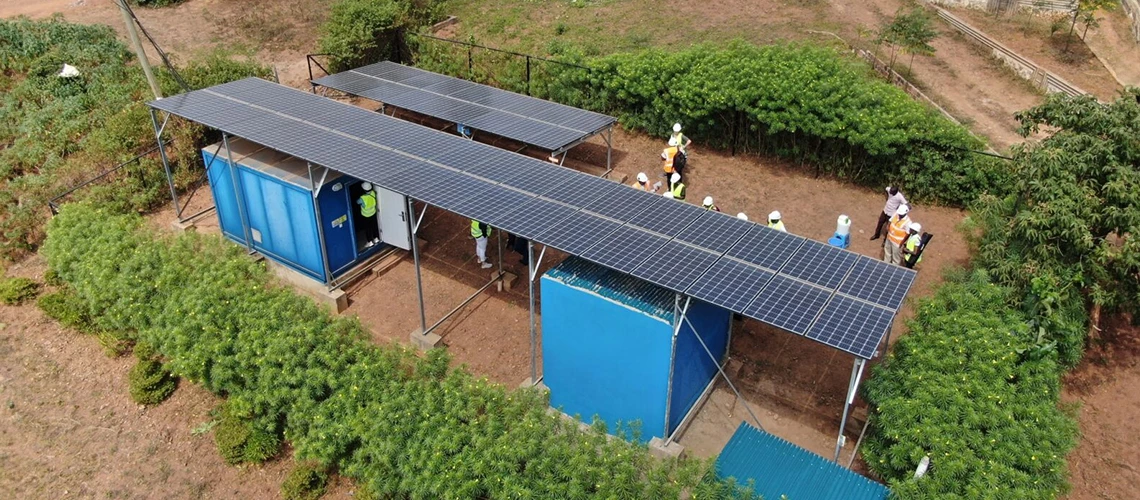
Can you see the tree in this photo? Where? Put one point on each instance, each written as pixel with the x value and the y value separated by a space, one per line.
pixel 1085 10
pixel 911 32
pixel 1068 234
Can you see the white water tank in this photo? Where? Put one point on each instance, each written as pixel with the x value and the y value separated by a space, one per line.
pixel 843 226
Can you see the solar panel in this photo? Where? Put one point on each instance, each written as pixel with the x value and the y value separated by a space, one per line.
pixel 778 278
pixel 788 304
pixel 766 247
pixel 676 265
pixel 730 284
pixel 716 231
pixel 820 263
pixel 541 123
pixel 878 282
pixel 625 249
pixel 578 232
pixel 667 216
pixel 851 325
pixel 622 204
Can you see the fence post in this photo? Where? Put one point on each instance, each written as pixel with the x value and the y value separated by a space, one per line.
pixel 470 63
pixel 528 75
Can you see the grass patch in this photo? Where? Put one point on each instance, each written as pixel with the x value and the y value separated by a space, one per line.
pixel 16 291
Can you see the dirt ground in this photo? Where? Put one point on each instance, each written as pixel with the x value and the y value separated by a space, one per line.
pixel 1104 464
pixel 1113 44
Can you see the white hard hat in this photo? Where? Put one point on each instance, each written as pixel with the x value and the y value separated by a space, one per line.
pixel 741 216
pixel 903 210
pixel 642 178
pixel 668 194
pixel 775 215
pixel 708 201
pixel 916 227
pixel 68 71
pixel 676 127
pixel 675 177
pixel 672 142
pixel 367 186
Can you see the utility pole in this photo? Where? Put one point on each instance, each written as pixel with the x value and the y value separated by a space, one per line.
pixel 134 36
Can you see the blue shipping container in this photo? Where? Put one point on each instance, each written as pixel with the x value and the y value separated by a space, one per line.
pixel 273 209
pixel 608 348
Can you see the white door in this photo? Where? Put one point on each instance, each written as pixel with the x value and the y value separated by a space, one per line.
pixel 394 224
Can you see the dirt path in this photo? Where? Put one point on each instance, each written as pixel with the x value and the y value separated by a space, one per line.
pixel 1106 461
pixel 70 430
pixel 1113 44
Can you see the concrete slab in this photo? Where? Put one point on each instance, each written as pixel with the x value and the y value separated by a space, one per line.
pixel 659 449
pixel 183 227
pixel 335 300
pixel 424 342
pixel 508 280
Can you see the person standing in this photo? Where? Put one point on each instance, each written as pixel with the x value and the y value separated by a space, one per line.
pixel 895 198
pixel 912 249
pixel 667 156
pixel 369 232
pixel 682 140
pixel 676 186
pixel 708 204
pixel 896 236
pixel 481 232
pixel 775 222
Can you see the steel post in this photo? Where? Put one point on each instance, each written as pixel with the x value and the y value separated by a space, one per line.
pixel 416 259
pixel 856 372
pixel 320 226
pixel 237 194
pixel 532 270
pixel 165 163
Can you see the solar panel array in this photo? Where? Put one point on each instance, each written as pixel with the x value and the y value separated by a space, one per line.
pixel 830 295
pixel 538 122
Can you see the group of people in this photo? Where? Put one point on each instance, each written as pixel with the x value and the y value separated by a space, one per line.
pixel 905 240
pixel 674 158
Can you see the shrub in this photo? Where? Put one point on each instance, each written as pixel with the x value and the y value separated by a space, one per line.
pixel 307 481
pixel 360 32
pixel 157 3
pixel 114 343
pixel 67 308
pixel 969 387
pixel 401 425
pixel 150 383
pixel 16 291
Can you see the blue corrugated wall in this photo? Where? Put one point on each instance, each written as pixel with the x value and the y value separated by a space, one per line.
pixel 605 350
pixel 694 368
pixel 222 188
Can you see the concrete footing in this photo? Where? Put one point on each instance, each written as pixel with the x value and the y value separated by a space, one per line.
pixel 183 227
pixel 659 449
pixel 424 342
pixel 335 300
pixel 528 383
pixel 507 281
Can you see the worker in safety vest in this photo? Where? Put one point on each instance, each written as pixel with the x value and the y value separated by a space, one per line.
pixel 370 229
pixel 643 183
pixel 481 232
pixel 708 204
pixel 896 236
pixel 669 155
pixel 775 222
pixel 912 248
pixel 682 140
pixel 676 186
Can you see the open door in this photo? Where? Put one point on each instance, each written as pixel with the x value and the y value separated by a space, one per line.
pixel 395 228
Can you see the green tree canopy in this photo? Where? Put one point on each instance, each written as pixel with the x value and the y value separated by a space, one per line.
pixel 1067 233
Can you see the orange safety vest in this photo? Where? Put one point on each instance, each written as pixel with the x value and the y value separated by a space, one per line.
pixel 897 232
pixel 669 153
pixel 640 186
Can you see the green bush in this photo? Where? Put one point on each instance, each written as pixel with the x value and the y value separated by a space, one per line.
pixel 969 387
pixel 150 383
pixel 16 291
pixel 360 32
pixel 240 440
pixel 804 103
pixel 67 308
pixel 59 132
pixel 157 3
pixel 307 481
pixel 115 343
pixel 401 425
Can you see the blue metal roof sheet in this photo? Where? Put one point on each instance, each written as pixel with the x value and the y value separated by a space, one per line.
pixel 618 287
pixel 779 468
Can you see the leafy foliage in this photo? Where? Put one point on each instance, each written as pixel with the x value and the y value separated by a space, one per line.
pixel 307 481
pixel 910 31
pixel 157 3
pixel 401 425
pixel 16 291
pixel 360 32
pixel 969 387
pixel 241 440
pixel 150 383
pixel 799 102
pixel 67 308
pixel 1065 236
pixel 56 132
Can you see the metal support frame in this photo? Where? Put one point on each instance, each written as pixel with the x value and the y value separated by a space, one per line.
pixel 678 315
pixel 856 374
pixel 158 129
pixel 719 368
pixel 608 138
pixel 314 189
pixel 237 193
pixel 414 227
pixel 532 273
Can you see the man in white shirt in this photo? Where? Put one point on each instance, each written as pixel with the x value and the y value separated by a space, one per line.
pixel 895 198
